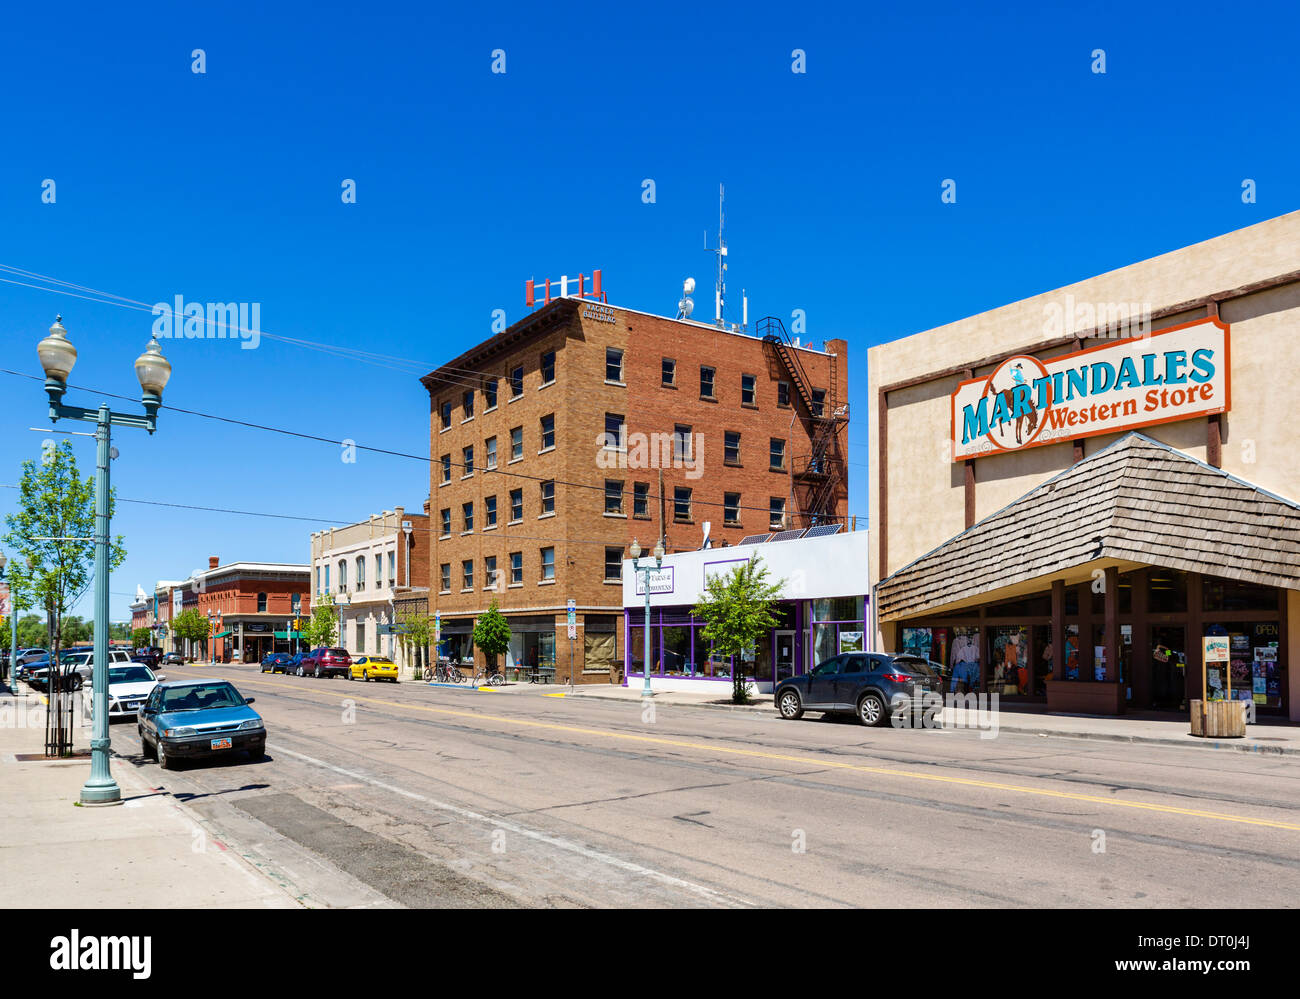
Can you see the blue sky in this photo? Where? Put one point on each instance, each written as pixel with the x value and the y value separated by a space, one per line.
pixel 225 186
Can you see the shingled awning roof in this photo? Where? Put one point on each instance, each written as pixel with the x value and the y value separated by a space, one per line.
pixel 1138 501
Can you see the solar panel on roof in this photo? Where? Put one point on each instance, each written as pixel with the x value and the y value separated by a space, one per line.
pixel 786 535
pixel 823 530
pixel 754 539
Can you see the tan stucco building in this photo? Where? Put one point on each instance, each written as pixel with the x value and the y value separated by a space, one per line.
pixel 1111 469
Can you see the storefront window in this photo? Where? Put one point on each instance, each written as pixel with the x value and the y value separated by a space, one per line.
pixel 1231 595
pixel 1167 591
pixel 1255 665
pixel 636 649
pixel 964 660
pixel 1009 660
pixel 676 659
pixel 837 626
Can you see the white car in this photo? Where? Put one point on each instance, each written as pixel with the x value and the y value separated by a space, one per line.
pixel 84 662
pixel 128 686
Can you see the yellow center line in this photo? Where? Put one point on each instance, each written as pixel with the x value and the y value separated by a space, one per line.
pixel 819 761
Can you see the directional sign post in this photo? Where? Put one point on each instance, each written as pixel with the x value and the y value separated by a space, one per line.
pixel 573 633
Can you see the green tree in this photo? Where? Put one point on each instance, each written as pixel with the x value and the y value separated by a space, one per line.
pixel 416 632
pixel 323 626
pixel 190 625
pixel 31 632
pixel 737 608
pixel 140 638
pixel 492 633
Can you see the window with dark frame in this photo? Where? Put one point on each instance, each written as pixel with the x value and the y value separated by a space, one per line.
pixel 747 383
pixel 776 454
pixel 516 443
pixel 682 440
pixel 613 564
pixel 490 394
pixel 467 515
pixel 467 571
pixel 614 430
pixel 548 563
pixel 818 402
pixel 776 513
pixel 613 365
pixel 548 496
pixel 548 367
pixel 446 469
pixel 613 495
pixel 490 446
pixel 681 503
pixel 445 570
pixel 516 505
pixel 669 375
pixel 641 499
pixel 516 382
pixel 489 571
pixel 706 382
pixel 489 511
pixel 516 567
pixel 548 431
pixel 446 520
pixel 783 394
pixel 731 508
pixel 445 414
pixel 467 454
pixel 467 403
pixel 731 447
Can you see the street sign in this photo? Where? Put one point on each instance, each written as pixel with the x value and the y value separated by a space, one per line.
pixel 573 620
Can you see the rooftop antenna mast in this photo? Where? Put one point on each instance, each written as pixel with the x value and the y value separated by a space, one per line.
pixel 720 290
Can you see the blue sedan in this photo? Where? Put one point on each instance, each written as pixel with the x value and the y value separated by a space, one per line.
pixel 197 718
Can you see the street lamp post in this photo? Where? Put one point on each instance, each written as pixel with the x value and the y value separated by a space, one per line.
pixel 13 632
pixel 58 355
pixel 635 552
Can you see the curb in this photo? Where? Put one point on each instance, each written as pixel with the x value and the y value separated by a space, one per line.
pixel 1189 741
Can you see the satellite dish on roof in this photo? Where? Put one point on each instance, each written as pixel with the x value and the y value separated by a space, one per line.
pixel 685 307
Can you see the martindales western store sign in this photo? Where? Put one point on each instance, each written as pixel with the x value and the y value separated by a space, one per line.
pixel 1176 374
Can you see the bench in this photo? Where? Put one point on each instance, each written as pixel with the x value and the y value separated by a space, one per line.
pixel 541 674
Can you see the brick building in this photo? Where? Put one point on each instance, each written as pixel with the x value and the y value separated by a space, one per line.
pixel 373 570
pixel 556 442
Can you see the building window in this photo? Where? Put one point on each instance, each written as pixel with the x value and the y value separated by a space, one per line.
pixel 516 443
pixel 318 579
pixel 327 579
pixel 468 455
pixel 516 505
pixel 548 367
pixel 641 499
pixel 446 521
pixel 261 603
pixel 516 382
pixel 548 497
pixel 681 442
pixel 548 431
pixel 490 394
pixel 613 496
pixel 776 513
pixel 681 503
pixel 490 446
pixel 747 389
pixel 613 564
pixel 467 516
pixel 731 509
pixel 783 394
pixel 392 569
pixel 818 402
pixel 669 371
pixel 467 403
pixel 613 365
pixel 446 469
pixel 706 382
pixel 360 645
pixel 343 577
pixel 731 447
pixel 379 571
pixel 516 567
pixel 777 455
pixel 445 570
pixel 445 414
pixel 467 574
pixel 548 563
pixel 489 572
pixel 361 572
pixel 614 430
pixel 490 511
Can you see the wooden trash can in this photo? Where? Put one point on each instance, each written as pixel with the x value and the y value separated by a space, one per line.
pixel 1223 719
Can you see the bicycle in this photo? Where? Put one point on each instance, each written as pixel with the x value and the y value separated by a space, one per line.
pixel 447 673
pixel 495 678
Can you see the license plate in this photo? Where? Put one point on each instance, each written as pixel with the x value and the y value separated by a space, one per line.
pixel 220 743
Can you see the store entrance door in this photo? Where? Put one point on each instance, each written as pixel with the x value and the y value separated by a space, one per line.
pixel 784 655
pixel 1168 667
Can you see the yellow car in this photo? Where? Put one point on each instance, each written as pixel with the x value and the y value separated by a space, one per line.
pixel 373 668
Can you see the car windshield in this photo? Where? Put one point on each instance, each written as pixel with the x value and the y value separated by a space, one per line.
pixel 201 697
pixel 130 674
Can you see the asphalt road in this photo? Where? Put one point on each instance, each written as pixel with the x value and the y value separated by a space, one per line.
pixel 412 795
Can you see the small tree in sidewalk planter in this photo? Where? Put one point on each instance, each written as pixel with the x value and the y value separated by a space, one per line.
pixel 737 611
pixel 492 634
pixel 190 625
pixel 323 626
pixel 416 633
pixel 140 638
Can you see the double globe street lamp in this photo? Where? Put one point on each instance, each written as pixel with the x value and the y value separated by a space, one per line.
pixel 58 355
pixel 658 553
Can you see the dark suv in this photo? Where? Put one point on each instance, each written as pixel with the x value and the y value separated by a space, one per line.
pixel 326 662
pixel 871 685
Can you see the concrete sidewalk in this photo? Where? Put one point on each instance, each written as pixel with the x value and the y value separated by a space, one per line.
pixel 149 852
pixel 1264 737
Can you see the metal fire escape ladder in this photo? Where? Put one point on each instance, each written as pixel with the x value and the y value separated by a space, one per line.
pixel 824 470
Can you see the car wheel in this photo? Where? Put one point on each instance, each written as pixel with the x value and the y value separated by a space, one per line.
pixel 164 761
pixel 298 671
pixel 790 705
pixel 316 673
pixel 365 675
pixel 871 710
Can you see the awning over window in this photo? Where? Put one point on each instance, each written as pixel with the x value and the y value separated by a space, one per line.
pixel 223 634
pixel 1137 502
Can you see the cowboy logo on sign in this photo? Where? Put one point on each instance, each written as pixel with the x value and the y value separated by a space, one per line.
pixel 1175 374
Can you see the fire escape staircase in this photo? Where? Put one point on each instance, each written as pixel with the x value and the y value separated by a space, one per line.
pixel 823 472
